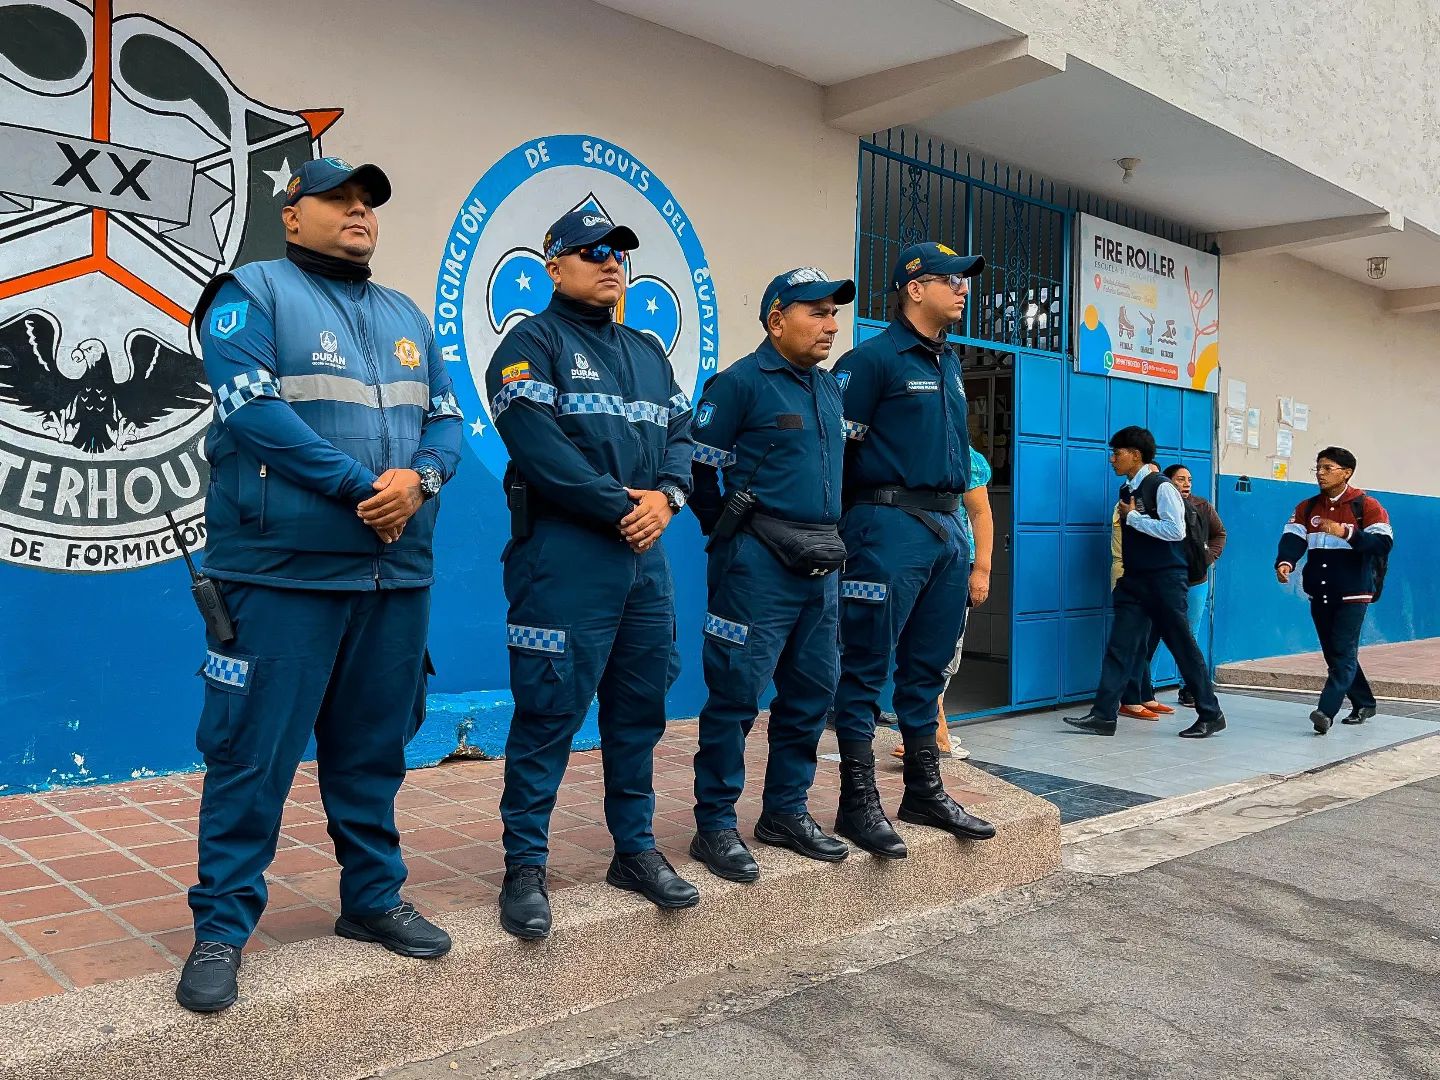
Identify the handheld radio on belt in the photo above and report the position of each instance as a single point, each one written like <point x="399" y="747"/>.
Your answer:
<point x="206" y="591"/>
<point x="739" y="505"/>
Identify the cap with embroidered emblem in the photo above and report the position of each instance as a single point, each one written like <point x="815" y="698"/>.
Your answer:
<point x="327" y="173"/>
<point x="930" y="258"/>
<point x="803" y="283"/>
<point x="587" y="228"/>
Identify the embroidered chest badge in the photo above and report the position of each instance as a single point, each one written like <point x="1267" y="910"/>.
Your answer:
<point x="407" y="352"/>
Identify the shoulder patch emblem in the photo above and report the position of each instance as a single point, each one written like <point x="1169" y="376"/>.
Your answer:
<point x="912" y="266"/>
<point x="843" y="378"/>
<point x="515" y="373"/>
<point x="407" y="352"/>
<point x="227" y="320"/>
<point x="704" y="414"/>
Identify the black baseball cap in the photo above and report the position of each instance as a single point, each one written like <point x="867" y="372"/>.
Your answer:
<point x="803" y="283"/>
<point x="328" y="173"/>
<point x="586" y="228"/>
<point x="921" y="260"/>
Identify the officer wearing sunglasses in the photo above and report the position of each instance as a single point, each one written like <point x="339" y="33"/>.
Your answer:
<point x="908" y="566"/>
<point x="600" y="450"/>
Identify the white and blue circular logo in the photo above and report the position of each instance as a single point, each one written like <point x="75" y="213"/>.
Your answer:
<point x="492" y="272"/>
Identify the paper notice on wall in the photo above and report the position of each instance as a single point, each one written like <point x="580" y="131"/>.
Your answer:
<point x="1284" y="442"/>
<point x="1302" y="416"/>
<point x="1235" y="395"/>
<point x="1287" y="410"/>
<point x="1235" y="429"/>
<point x="1252" y="428"/>
<point x="1279" y="470"/>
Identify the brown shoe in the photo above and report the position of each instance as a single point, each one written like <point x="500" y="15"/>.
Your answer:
<point x="1139" y="712"/>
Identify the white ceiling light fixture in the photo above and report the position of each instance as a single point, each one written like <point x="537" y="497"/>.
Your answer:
<point x="1376" y="266"/>
<point x="1129" y="165"/>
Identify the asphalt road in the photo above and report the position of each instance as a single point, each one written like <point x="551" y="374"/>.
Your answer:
<point x="1309" y="950"/>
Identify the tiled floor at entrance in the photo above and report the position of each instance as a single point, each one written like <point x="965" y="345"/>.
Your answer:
<point x="92" y="881"/>
<point x="1266" y="734"/>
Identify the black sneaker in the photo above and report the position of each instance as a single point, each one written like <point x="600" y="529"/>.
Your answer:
<point x="525" y="902"/>
<point x="207" y="982"/>
<point x="402" y="930"/>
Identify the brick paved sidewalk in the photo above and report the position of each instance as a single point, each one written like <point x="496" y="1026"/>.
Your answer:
<point x="92" y="881"/>
<point x="1406" y="669"/>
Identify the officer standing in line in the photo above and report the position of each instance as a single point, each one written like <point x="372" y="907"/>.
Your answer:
<point x="773" y="423"/>
<point x="599" y="440"/>
<point x="334" y="429"/>
<point x="907" y="575"/>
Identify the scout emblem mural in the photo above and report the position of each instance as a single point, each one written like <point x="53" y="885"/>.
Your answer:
<point x="492" y="273"/>
<point x="132" y="170"/>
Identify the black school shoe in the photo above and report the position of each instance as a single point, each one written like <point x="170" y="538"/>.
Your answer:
<point x="801" y="834"/>
<point x="724" y="854"/>
<point x="402" y="930"/>
<point x="208" y="980"/>
<point x="525" y="902"/>
<point x="650" y="874"/>
<point x="1360" y="715"/>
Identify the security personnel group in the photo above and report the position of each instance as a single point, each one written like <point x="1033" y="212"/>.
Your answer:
<point x="836" y="562"/>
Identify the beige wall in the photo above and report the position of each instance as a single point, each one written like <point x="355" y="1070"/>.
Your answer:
<point x="1347" y="89"/>
<point x="437" y="90"/>
<point x="1371" y="379"/>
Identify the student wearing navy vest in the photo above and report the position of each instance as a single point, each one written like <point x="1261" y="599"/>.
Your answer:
<point x="1153" y="590"/>
<point x="1344" y="536"/>
<point x="334" y="429"/>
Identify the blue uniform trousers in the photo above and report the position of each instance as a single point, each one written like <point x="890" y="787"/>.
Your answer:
<point x="763" y="622"/>
<point x="587" y="615"/>
<point x="1141" y="601"/>
<point x="348" y="667"/>
<point x="1338" y="626"/>
<point x="903" y="598"/>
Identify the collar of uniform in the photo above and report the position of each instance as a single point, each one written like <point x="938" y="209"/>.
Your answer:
<point x="904" y="337"/>
<point x="1133" y="483"/>
<point x="770" y="359"/>
<point x="1348" y="495"/>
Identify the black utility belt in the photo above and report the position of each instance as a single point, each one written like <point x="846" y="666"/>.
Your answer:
<point x="805" y="550"/>
<point x="940" y="502"/>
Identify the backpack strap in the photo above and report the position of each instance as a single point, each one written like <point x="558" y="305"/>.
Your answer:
<point x="1357" y="507"/>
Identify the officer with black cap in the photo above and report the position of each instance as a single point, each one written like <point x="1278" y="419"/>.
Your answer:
<point x="907" y="575"/>
<point x="599" y="440"/>
<point x="334" y="428"/>
<point x="772" y="425"/>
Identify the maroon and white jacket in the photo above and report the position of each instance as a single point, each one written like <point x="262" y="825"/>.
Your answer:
<point x="1340" y="569"/>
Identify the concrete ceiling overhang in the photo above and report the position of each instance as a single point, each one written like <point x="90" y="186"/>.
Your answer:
<point x="978" y="81"/>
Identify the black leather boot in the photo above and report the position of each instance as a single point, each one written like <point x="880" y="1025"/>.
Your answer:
<point x="724" y="854"/>
<point x="860" y="818"/>
<point x="525" y="902"/>
<point x="925" y="801"/>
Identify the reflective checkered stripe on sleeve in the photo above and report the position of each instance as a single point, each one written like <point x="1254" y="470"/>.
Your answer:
<point x="443" y="405"/>
<point x="529" y="389"/>
<point x="874" y="591"/>
<point x="537" y="638"/>
<point x="733" y="632"/>
<point x="243" y="389"/>
<point x="712" y="456"/>
<point x="855" y="432"/>
<point x="679" y="405"/>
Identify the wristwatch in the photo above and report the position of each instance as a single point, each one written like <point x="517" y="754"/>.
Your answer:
<point x="674" y="496"/>
<point x="429" y="481"/>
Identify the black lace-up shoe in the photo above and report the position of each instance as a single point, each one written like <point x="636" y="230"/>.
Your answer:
<point x="860" y="817"/>
<point x="402" y="930"/>
<point x="207" y="982"/>
<point x="925" y="801"/>
<point x="1359" y="715"/>
<point x="650" y="874"/>
<point x="801" y="834"/>
<point x="725" y="854"/>
<point x="525" y="902"/>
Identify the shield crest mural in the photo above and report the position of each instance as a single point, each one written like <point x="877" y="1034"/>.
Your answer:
<point x="132" y="170"/>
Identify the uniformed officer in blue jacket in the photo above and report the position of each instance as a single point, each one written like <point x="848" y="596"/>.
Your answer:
<point x="772" y="424"/>
<point x="907" y="576"/>
<point x="599" y="440"/>
<point x="334" y="429"/>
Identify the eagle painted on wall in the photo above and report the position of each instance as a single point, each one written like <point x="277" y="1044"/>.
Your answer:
<point x="87" y="397"/>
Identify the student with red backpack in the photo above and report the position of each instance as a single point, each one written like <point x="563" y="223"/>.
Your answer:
<point x="1347" y="535"/>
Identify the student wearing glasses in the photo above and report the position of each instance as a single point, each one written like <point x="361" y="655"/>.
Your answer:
<point x="600" y="450"/>
<point x="1344" y="536"/>
<point x="907" y="573"/>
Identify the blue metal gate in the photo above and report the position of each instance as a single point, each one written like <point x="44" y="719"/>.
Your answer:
<point x="913" y="188"/>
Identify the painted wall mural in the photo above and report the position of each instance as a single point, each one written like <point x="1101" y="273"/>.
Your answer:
<point x="132" y="170"/>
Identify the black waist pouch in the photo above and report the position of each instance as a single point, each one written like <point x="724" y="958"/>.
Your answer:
<point x="804" y="550"/>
